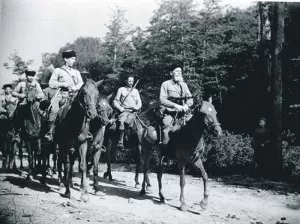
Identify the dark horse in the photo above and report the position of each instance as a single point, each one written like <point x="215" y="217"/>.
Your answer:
<point x="33" y="129"/>
<point x="72" y="126"/>
<point x="186" y="145"/>
<point x="134" y="131"/>
<point x="6" y="135"/>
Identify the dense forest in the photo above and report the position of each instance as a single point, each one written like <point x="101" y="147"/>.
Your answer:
<point x="227" y="53"/>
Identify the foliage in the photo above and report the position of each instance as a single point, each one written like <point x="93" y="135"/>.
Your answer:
<point x="230" y="153"/>
<point x="18" y="64"/>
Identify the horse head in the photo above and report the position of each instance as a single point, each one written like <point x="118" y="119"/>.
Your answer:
<point x="208" y="112"/>
<point x="87" y="97"/>
<point x="104" y="110"/>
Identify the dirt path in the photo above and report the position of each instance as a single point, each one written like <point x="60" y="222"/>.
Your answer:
<point x="22" y="201"/>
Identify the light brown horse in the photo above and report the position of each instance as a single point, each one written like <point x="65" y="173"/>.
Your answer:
<point x="186" y="146"/>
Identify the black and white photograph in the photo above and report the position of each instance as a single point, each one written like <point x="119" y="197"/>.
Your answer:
<point x="149" y="111"/>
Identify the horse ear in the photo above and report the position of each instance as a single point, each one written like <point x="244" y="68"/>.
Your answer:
<point x="109" y="97"/>
<point x="99" y="82"/>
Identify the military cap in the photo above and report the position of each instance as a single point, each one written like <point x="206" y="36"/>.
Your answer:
<point x="30" y="72"/>
<point x="175" y="64"/>
<point x="69" y="54"/>
<point x="7" y="85"/>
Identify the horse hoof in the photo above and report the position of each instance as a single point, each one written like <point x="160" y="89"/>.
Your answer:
<point x="61" y="189"/>
<point x="99" y="193"/>
<point x="67" y="194"/>
<point x="138" y="186"/>
<point x="105" y="175"/>
<point x="149" y="189"/>
<point x="85" y="197"/>
<point x="30" y="177"/>
<point x="142" y="192"/>
<point x="162" y="200"/>
<point x="183" y="207"/>
<point x="203" y="205"/>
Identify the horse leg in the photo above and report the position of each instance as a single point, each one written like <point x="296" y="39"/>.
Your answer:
<point x="42" y="154"/>
<point x="59" y="168"/>
<point x="159" y="178"/>
<point x="181" y="168"/>
<point x="54" y="159"/>
<point x="138" y="166"/>
<point x="95" y="171"/>
<point x="83" y="166"/>
<point x="108" y="160"/>
<point x="199" y="166"/>
<point x="20" y="147"/>
<point x="66" y="175"/>
<point x="147" y="158"/>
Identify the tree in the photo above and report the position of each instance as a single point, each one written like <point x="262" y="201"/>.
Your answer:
<point x="277" y="38"/>
<point x="18" y="64"/>
<point x="117" y="38"/>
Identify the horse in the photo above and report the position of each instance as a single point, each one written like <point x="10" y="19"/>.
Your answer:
<point x="71" y="130"/>
<point x="6" y="135"/>
<point x="97" y="128"/>
<point x="186" y="145"/>
<point x="134" y="130"/>
<point x="35" y="127"/>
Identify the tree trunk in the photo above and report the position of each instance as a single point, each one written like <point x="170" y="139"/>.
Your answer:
<point x="277" y="38"/>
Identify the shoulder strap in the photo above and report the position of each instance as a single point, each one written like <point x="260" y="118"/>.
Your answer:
<point x="75" y="82"/>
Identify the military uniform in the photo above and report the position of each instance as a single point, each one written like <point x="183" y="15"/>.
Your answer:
<point x="171" y="89"/>
<point x="125" y="101"/>
<point x="33" y="91"/>
<point x="4" y="101"/>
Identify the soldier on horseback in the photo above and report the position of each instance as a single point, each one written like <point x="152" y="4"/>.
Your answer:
<point x="7" y="98"/>
<point x="127" y="101"/>
<point x="66" y="82"/>
<point x="175" y="97"/>
<point x="27" y="91"/>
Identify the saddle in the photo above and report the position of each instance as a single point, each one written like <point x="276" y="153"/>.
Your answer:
<point x="129" y="122"/>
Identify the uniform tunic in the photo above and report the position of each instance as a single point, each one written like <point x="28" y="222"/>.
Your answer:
<point x="169" y="89"/>
<point x="131" y="101"/>
<point x="30" y="89"/>
<point x="63" y="75"/>
<point x="6" y="100"/>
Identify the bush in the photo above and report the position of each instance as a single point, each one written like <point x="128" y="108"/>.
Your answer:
<point x="291" y="161"/>
<point x="229" y="153"/>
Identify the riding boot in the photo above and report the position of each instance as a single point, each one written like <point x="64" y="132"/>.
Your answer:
<point x="121" y="137"/>
<point x="49" y="135"/>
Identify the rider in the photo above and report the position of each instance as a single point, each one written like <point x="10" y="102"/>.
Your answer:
<point x="63" y="80"/>
<point x="170" y="106"/>
<point x="6" y="98"/>
<point x="127" y="100"/>
<point x="27" y="91"/>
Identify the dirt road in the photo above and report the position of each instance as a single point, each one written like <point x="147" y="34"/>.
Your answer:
<point x="22" y="201"/>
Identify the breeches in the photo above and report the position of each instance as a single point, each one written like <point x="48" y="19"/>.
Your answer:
<point x="121" y="119"/>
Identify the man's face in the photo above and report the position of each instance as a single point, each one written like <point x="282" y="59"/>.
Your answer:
<point x="70" y="61"/>
<point x="7" y="90"/>
<point x="262" y="123"/>
<point x="130" y="82"/>
<point x="29" y="78"/>
<point x="177" y="75"/>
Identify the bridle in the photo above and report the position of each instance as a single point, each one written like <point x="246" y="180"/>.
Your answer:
<point x="86" y="107"/>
